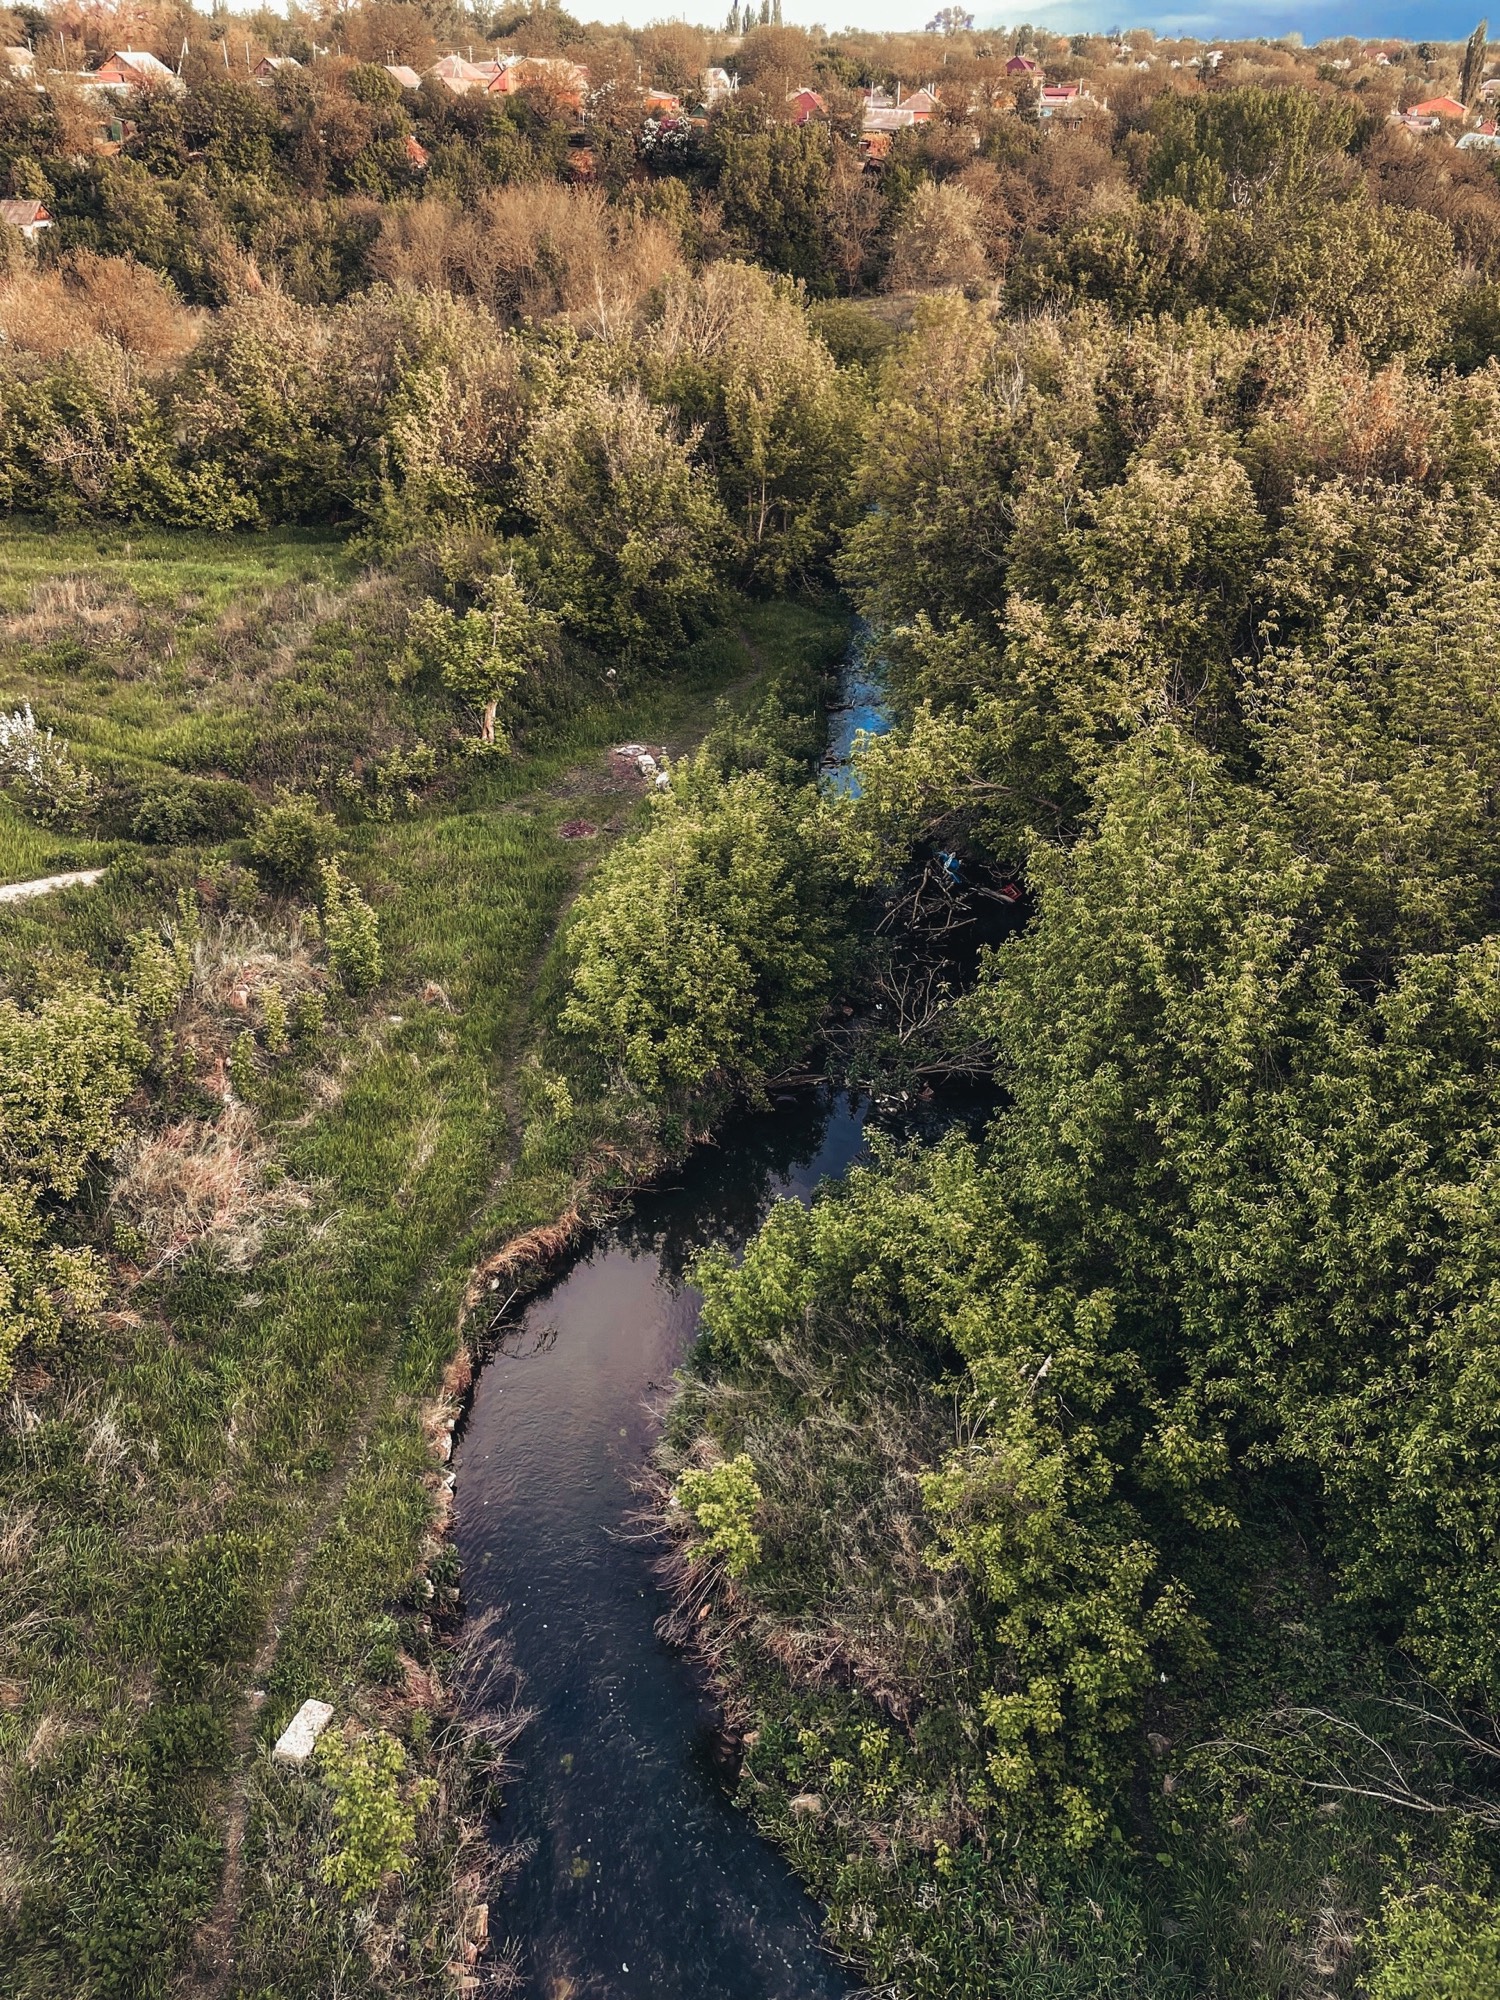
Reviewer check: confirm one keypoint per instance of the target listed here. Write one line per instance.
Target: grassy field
(229, 1501)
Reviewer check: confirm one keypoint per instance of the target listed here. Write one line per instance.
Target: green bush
(291, 837)
(174, 810)
(722, 1500)
(351, 931)
(373, 1825)
(707, 947)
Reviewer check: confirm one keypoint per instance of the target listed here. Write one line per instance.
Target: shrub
(41, 1287)
(708, 945)
(159, 973)
(373, 1824)
(175, 810)
(351, 931)
(66, 1068)
(36, 767)
(291, 836)
(722, 1500)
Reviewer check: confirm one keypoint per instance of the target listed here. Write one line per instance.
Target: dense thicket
(1123, 1483)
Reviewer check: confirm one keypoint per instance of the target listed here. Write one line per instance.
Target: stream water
(643, 1880)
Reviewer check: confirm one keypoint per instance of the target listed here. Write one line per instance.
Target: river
(643, 1881)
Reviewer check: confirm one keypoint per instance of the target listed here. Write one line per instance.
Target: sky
(1315, 20)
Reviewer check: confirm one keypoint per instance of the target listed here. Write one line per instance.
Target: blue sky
(1316, 20)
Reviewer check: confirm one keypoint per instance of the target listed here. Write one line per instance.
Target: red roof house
(135, 69)
(569, 80)
(30, 217)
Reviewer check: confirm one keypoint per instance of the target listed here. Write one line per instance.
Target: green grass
(233, 1428)
(28, 851)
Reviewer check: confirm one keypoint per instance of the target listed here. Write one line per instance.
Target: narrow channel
(643, 1881)
(644, 1878)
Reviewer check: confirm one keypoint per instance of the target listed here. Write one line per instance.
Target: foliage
(480, 656)
(373, 1824)
(1436, 1946)
(627, 527)
(43, 1287)
(66, 1068)
(36, 767)
(291, 837)
(722, 1500)
(350, 929)
(707, 948)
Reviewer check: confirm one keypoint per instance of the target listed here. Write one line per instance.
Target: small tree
(938, 245)
(351, 929)
(291, 836)
(1472, 73)
(481, 655)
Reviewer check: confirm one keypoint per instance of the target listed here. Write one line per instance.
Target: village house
(567, 80)
(270, 67)
(661, 104)
(135, 69)
(404, 74)
(879, 127)
(461, 77)
(804, 104)
(717, 85)
(1485, 138)
(1024, 66)
(1065, 101)
(30, 217)
(1432, 113)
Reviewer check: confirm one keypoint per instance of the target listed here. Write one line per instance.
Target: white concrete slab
(296, 1742)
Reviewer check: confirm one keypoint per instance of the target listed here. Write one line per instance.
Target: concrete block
(295, 1743)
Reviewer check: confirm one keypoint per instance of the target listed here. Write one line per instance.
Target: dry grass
(526, 1259)
(50, 313)
(73, 606)
(238, 961)
(17, 1536)
(203, 1184)
(840, 1476)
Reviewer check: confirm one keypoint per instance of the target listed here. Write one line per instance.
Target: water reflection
(723, 1192)
(644, 1879)
(860, 710)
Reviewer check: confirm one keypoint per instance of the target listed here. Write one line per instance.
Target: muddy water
(644, 1881)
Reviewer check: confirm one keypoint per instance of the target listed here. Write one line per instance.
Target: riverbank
(229, 1498)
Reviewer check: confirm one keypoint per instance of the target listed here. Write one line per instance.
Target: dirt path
(211, 1965)
(214, 1945)
(78, 878)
